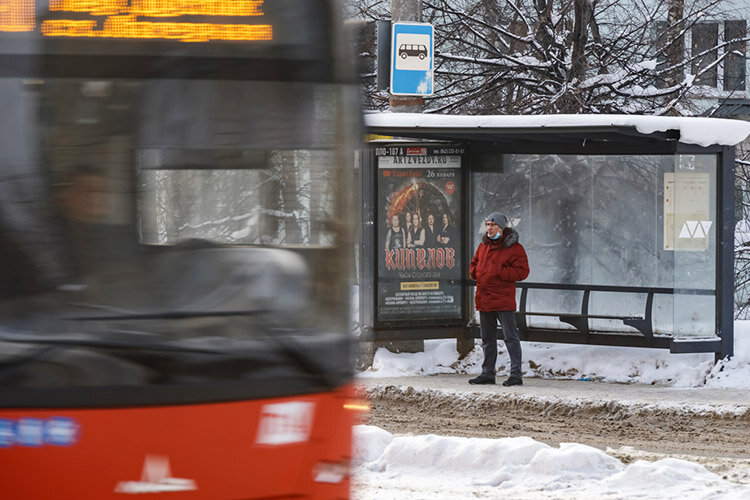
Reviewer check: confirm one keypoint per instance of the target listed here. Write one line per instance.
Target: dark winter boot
(513, 381)
(482, 380)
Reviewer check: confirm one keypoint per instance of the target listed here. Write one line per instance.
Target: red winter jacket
(497, 265)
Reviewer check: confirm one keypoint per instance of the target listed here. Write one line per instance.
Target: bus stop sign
(411, 59)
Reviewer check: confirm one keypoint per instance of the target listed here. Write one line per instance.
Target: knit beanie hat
(498, 218)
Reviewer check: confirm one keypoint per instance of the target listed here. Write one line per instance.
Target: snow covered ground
(441, 467)
(611, 364)
(444, 467)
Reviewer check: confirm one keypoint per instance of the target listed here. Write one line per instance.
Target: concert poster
(420, 265)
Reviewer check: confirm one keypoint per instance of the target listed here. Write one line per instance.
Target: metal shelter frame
(480, 136)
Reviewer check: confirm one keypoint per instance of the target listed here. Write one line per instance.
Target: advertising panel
(687, 218)
(418, 245)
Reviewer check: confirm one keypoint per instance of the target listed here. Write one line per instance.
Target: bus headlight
(331, 472)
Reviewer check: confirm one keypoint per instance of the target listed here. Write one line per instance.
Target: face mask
(496, 236)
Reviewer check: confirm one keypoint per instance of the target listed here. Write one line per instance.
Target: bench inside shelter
(580, 321)
(640, 326)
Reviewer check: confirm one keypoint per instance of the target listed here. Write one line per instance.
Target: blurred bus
(175, 249)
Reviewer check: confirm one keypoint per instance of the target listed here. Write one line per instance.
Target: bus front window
(193, 215)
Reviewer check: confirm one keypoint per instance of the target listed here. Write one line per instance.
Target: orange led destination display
(161, 8)
(139, 19)
(17, 15)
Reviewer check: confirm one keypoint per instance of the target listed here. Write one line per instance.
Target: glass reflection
(612, 220)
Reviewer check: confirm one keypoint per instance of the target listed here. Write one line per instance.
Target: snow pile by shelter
(520, 468)
(566, 361)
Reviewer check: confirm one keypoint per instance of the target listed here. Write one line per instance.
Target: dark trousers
(488, 329)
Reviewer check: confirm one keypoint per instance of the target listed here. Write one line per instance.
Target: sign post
(412, 46)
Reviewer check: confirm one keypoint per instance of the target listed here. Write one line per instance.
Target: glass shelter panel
(611, 221)
(625, 193)
(692, 235)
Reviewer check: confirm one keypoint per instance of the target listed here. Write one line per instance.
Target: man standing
(498, 263)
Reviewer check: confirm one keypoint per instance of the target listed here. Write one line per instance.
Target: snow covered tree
(574, 56)
(742, 234)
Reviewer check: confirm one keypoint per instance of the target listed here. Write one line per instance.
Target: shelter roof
(698, 131)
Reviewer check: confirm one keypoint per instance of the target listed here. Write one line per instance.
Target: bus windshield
(176, 224)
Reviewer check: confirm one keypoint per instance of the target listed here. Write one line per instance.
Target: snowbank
(734, 373)
(441, 467)
(566, 361)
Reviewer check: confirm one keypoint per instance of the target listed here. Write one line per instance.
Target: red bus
(175, 249)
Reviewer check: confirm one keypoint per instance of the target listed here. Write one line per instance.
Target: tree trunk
(675, 52)
(545, 30)
(584, 11)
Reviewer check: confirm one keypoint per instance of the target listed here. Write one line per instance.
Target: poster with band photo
(418, 248)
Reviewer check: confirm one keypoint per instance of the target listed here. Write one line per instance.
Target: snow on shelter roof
(692, 130)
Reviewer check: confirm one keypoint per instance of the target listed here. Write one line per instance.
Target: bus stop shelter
(628, 223)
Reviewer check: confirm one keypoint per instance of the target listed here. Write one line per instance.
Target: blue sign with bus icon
(412, 61)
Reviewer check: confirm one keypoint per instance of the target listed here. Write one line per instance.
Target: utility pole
(408, 11)
(404, 11)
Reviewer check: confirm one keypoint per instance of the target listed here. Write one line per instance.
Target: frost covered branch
(567, 56)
